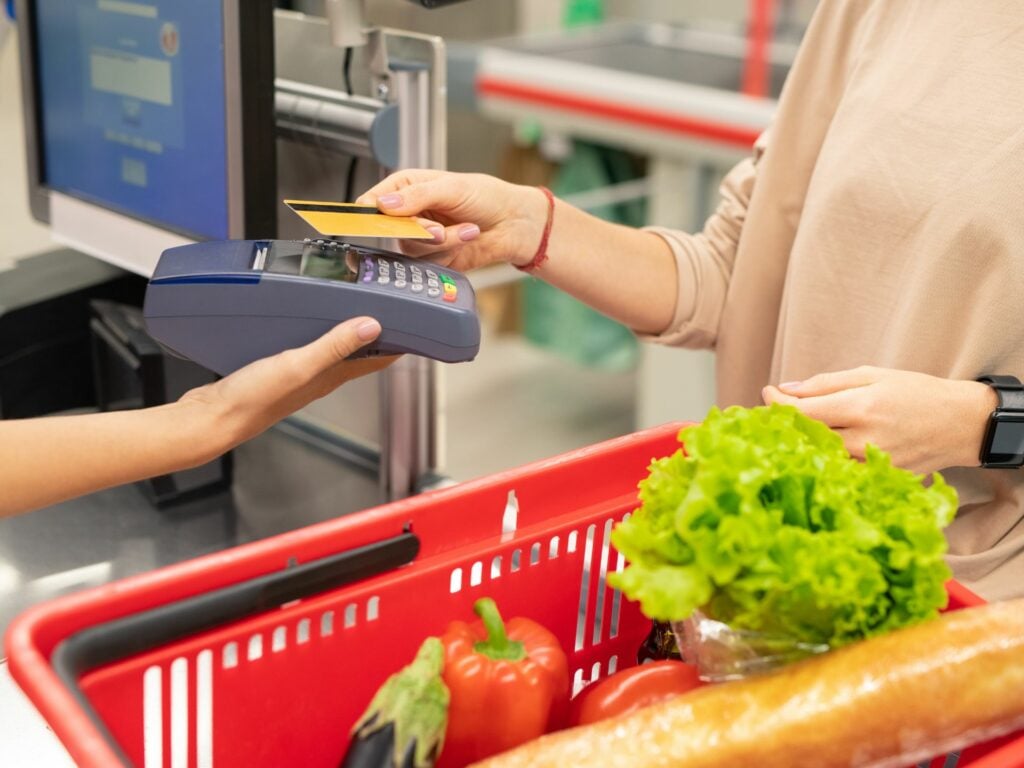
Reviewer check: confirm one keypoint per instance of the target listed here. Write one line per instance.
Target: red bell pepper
(508, 684)
(631, 689)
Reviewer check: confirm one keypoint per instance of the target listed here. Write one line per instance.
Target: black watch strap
(1009, 389)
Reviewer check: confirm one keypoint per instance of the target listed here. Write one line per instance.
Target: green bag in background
(555, 320)
(579, 12)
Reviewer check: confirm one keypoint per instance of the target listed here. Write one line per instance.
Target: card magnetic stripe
(329, 208)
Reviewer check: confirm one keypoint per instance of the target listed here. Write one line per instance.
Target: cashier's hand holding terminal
(47, 460)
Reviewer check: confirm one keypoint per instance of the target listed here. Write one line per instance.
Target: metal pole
(411, 444)
(401, 124)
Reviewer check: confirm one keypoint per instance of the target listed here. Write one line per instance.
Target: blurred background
(631, 109)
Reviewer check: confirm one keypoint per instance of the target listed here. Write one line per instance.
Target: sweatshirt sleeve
(704, 260)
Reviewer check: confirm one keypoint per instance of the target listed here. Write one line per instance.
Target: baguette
(887, 701)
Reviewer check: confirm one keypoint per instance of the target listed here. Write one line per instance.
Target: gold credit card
(351, 220)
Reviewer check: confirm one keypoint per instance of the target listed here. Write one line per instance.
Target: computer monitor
(149, 123)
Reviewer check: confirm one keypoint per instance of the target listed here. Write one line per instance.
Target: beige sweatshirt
(881, 222)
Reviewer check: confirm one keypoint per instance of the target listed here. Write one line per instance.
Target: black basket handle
(130, 635)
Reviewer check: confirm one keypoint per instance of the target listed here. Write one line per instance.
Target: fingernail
(438, 233)
(790, 385)
(469, 232)
(389, 201)
(368, 330)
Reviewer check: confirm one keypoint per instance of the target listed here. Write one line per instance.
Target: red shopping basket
(316, 619)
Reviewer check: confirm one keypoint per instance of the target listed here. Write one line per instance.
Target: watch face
(1006, 446)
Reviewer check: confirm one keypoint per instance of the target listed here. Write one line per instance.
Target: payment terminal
(225, 304)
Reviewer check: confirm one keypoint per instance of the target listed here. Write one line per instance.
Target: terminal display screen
(313, 260)
(132, 105)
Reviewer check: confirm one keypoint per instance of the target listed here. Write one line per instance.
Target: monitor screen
(132, 106)
(149, 123)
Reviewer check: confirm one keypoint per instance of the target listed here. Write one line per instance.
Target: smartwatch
(1003, 446)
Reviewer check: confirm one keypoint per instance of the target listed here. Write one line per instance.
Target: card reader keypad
(412, 277)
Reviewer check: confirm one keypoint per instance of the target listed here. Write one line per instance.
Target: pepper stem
(497, 645)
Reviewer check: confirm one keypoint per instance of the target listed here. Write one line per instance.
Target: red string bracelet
(542, 250)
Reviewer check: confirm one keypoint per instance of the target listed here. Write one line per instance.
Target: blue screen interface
(132, 108)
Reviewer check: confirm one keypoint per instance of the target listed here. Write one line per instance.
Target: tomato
(631, 689)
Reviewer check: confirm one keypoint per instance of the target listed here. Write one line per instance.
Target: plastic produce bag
(721, 653)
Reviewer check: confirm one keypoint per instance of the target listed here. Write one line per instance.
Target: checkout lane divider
(645, 117)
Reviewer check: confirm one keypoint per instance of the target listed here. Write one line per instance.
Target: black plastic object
(132, 371)
(437, 3)
(137, 633)
(1003, 445)
(45, 362)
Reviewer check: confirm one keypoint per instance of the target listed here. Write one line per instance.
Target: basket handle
(130, 635)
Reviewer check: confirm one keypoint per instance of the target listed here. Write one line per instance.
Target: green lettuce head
(766, 523)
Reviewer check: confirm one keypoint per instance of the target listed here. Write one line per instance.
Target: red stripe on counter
(647, 118)
(761, 24)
